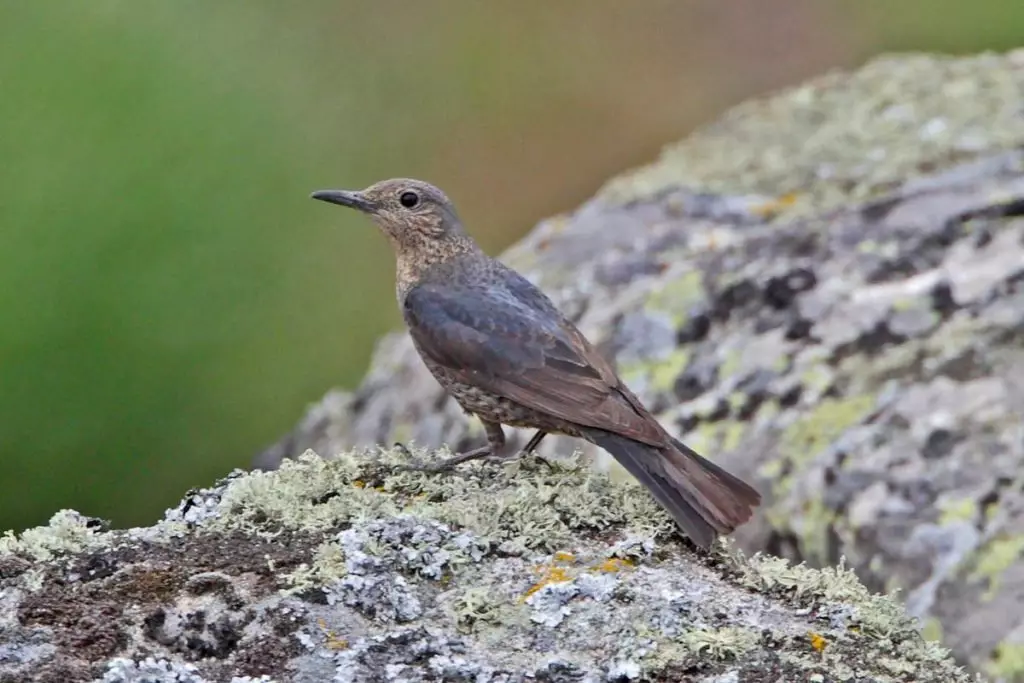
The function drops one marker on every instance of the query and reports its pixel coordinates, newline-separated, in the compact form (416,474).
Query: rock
(799,289)
(351,569)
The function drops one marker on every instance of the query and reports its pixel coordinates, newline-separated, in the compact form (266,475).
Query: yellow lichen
(998,555)
(615,564)
(1007,662)
(774,207)
(676,296)
(960,510)
(332,641)
(817,429)
(548,576)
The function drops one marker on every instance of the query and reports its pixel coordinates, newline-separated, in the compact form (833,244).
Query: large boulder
(352,570)
(823,290)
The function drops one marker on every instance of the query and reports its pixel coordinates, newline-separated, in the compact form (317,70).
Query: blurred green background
(170,300)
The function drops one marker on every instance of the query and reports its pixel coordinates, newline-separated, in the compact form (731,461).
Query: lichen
(989,563)
(722,643)
(817,429)
(67,532)
(475,605)
(677,295)
(328,565)
(958,510)
(1007,662)
(901,117)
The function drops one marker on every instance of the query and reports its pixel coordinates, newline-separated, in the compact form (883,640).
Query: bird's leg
(534,441)
(532,444)
(495,446)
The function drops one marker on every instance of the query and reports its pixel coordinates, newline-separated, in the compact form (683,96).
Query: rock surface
(353,571)
(823,290)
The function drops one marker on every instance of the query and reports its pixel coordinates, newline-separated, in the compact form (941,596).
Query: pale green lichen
(677,296)
(543,510)
(665,372)
(813,526)
(731,364)
(879,616)
(328,565)
(877,621)
(993,559)
(720,643)
(724,436)
(901,117)
(817,429)
(1007,662)
(475,606)
(958,510)
(301,494)
(801,441)
(932,630)
(67,532)
(658,375)
(816,380)
(732,435)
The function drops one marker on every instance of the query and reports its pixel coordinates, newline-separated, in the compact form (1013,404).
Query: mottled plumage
(506,354)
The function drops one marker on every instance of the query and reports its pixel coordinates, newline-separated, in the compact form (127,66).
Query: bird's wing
(494,340)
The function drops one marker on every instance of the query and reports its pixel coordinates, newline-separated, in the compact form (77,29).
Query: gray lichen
(280,580)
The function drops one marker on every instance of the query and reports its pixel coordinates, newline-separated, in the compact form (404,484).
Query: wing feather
(503,342)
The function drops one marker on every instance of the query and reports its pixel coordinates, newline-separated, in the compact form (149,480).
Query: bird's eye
(409,199)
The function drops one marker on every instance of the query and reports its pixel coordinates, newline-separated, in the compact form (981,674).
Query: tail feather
(703,498)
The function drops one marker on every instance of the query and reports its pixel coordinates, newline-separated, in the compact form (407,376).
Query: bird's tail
(704,499)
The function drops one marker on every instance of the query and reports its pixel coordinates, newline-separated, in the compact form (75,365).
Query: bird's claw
(449,464)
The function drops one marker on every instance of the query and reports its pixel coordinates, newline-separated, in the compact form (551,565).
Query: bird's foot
(447,464)
(495,452)
(484,452)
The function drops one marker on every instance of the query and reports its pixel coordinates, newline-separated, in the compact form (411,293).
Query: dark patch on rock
(963,366)
(264,655)
(781,290)
(869,342)
(889,269)
(12,566)
(798,328)
(942,299)
(97,565)
(94,629)
(92,617)
(757,388)
(939,443)
(559,672)
(982,237)
(733,297)
(695,329)
(699,376)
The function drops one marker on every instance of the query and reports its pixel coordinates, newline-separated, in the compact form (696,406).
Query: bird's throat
(424,261)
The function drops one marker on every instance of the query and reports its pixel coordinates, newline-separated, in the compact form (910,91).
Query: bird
(502,349)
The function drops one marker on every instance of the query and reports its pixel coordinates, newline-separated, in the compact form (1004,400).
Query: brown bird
(502,349)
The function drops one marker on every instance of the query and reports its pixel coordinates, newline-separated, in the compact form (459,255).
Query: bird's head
(413,214)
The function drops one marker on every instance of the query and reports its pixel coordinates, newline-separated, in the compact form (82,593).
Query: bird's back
(482,280)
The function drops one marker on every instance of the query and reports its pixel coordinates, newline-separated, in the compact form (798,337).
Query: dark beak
(353,200)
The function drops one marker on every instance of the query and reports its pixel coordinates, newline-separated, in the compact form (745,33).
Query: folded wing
(503,342)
